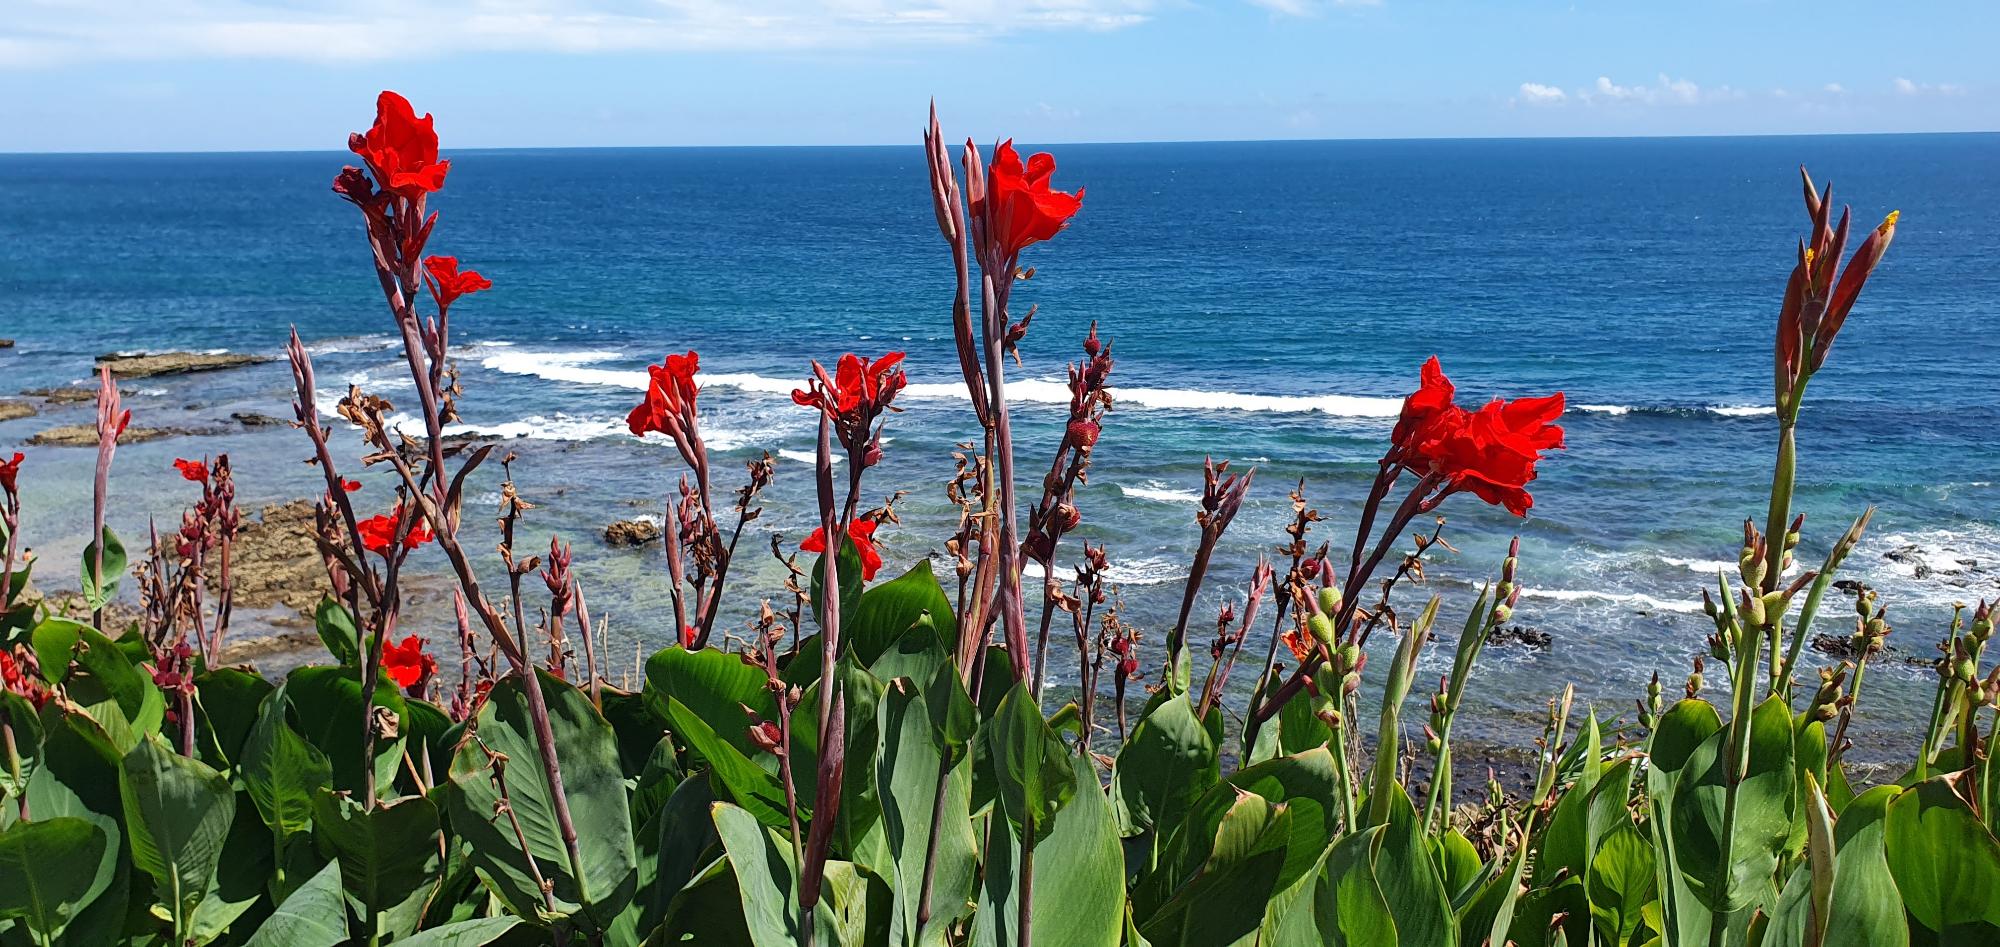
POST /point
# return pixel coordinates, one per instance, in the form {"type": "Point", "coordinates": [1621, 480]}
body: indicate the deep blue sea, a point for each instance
{"type": "Point", "coordinates": [1269, 303]}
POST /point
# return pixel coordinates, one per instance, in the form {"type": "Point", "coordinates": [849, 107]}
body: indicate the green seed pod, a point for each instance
{"type": "Point", "coordinates": [1503, 612]}
{"type": "Point", "coordinates": [1329, 601]}
{"type": "Point", "coordinates": [1322, 629]}
{"type": "Point", "coordinates": [1349, 657]}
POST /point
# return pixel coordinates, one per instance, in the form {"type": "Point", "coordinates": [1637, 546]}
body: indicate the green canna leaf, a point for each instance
{"type": "Point", "coordinates": [177, 818]}
{"type": "Point", "coordinates": [47, 870]}
{"type": "Point", "coordinates": [388, 857]}
{"type": "Point", "coordinates": [315, 915]}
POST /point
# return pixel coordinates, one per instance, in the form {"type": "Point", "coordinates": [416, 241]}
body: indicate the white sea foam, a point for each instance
{"type": "Point", "coordinates": [1160, 493]}
{"type": "Point", "coordinates": [1709, 567]}
{"type": "Point", "coordinates": [1721, 410]}
{"type": "Point", "coordinates": [1154, 570]}
{"type": "Point", "coordinates": [806, 457]}
{"type": "Point", "coordinates": [578, 368]}
{"type": "Point", "coordinates": [1632, 599]}
{"type": "Point", "coordinates": [352, 343]}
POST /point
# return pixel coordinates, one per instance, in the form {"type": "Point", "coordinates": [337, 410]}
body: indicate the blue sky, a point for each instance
{"type": "Point", "coordinates": [150, 75]}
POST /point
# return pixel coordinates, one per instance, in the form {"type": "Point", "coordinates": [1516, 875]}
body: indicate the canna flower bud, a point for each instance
{"type": "Point", "coordinates": [1329, 601]}
{"type": "Point", "coordinates": [1322, 629]}
{"type": "Point", "coordinates": [1503, 612]}
{"type": "Point", "coordinates": [1982, 622]}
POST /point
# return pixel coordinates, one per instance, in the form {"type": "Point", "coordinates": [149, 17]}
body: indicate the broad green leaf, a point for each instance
{"type": "Point", "coordinates": [47, 868]}
{"type": "Point", "coordinates": [1622, 883]}
{"type": "Point", "coordinates": [329, 714]}
{"type": "Point", "coordinates": [20, 759]}
{"type": "Point", "coordinates": [336, 629]}
{"type": "Point", "coordinates": [78, 778]}
{"type": "Point", "coordinates": [909, 768]}
{"type": "Point", "coordinates": [1078, 888]}
{"type": "Point", "coordinates": [115, 692]}
{"type": "Point", "coordinates": [1307, 784]}
{"type": "Point", "coordinates": [281, 771]}
{"type": "Point", "coordinates": [388, 857]}
{"type": "Point", "coordinates": [715, 685]}
{"type": "Point", "coordinates": [888, 611]}
{"type": "Point", "coordinates": [738, 776]}
{"type": "Point", "coordinates": [1225, 898]}
{"type": "Point", "coordinates": [1944, 861]}
{"type": "Point", "coordinates": [768, 879]}
{"type": "Point", "coordinates": [1031, 765]}
{"type": "Point", "coordinates": [99, 588]}
{"type": "Point", "coordinates": [226, 703]}
{"type": "Point", "coordinates": [177, 817]}
{"type": "Point", "coordinates": [596, 889]}
{"type": "Point", "coordinates": [1408, 878]}
{"type": "Point", "coordinates": [476, 932]}
{"type": "Point", "coordinates": [1458, 864]}
{"type": "Point", "coordinates": [1682, 730]}
{"type": "Point", "coordinates": [1168, 762]}
{"type": "Point", "coordinates": [1867, 909]}
{"type": "Point", "coordinates": [55, 641]}
{"type": "Point", "coordinates": [1351, 909]}
{"type": "Point", "coordinates": [314, 916]}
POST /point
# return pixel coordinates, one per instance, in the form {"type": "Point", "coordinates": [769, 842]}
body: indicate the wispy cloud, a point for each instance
{"type": "Point", "coordinates": [1910, 87]}
{"type": "Point", "coordinates": [56, 31]}
{"type": "Point", "coordinates": [1309, 7]}
{"type": "Point", "coordinates": [1605, 93]}
{"type": "Point", "coordinates": [1535, 93]}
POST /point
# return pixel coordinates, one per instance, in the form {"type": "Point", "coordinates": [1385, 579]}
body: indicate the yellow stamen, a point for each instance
{"type": "Point", "coordinates": [1890, 221]}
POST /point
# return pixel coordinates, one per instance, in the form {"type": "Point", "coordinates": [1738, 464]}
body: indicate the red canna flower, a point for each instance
{"type": "Point", "coordinates": [9, 470]}
{"type": "Point", "coordinates": [19, 677]}
{"type": "Point", "coordinates": [670, 396]}
{"type": "Point", "coordinates": [378, 533]}
{"type": "Point", "coordinates": [350, 486]}
{"type": "Point", "coordinates": [193, 471]}
{"type": "Point", "coordinates": [862, 534]}
{"type": "Point", "coordinates": [401, 148]}
{"type": "Point", "coordinates": [855, 396]}
{"type": "Point", "coordinates": [689, 634]}
{"type": "Point", "coordinates": [446, 283]}
{"type": "Point", "coordinates": [1432, 400]}
{"type": "Point", "coordinates": [408, 664]}
{"type": "Point", "coordinates": [1018, 207]}
{"type": "Point", "coordinates": [1491, 452]}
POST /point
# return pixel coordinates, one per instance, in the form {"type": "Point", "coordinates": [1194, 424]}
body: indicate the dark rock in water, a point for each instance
{"type": "Point", "coordinates": [253, 419]}
{"type": "Point", "coordinates": [11, 410]}
{"type": "Point", "coordinates": [174, 363]}
{"type": "Point", "coordinates": [1839, 646]}
{"type": "Point", "coordinates": [69, 394]}
{"type": "Point", "coordinates": [631, 532]}
{"type": "Point", "coordinates": [1850, 586]}
{"type": "Point", "coordinates": [1906, 554]}
{"type": "Point", "coordinates": [85, 435]}
{"type": "Point", "coordinates": [6, 343]}
{"type": "Point", "coordinates": [1533, 639]}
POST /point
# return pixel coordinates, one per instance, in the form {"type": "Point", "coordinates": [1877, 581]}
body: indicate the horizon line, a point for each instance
{"type": "Point", "coordinates": [918, 143]}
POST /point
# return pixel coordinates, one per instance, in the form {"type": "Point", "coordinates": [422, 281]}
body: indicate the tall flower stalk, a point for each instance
{"type": "Point", "coordinates": [403, 169]}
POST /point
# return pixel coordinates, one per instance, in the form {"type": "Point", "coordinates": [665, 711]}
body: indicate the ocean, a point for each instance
{"type": "Point", "coordinates": [1269, 303]}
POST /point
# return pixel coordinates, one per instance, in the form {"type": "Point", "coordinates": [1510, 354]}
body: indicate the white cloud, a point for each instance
{"type": "Point", "coordinates": [1535, 93]}
{"type": "Point", "coordinates": [1667, 91]}
{"type": "Point", "coordinates": [1309, 7]}
{"type": "Point", "coordinates": [1835, 88]}
{"type": "Point", "coordinates": [56, 31]}
{"type": "Point", "coordinates": [1907, 87]}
